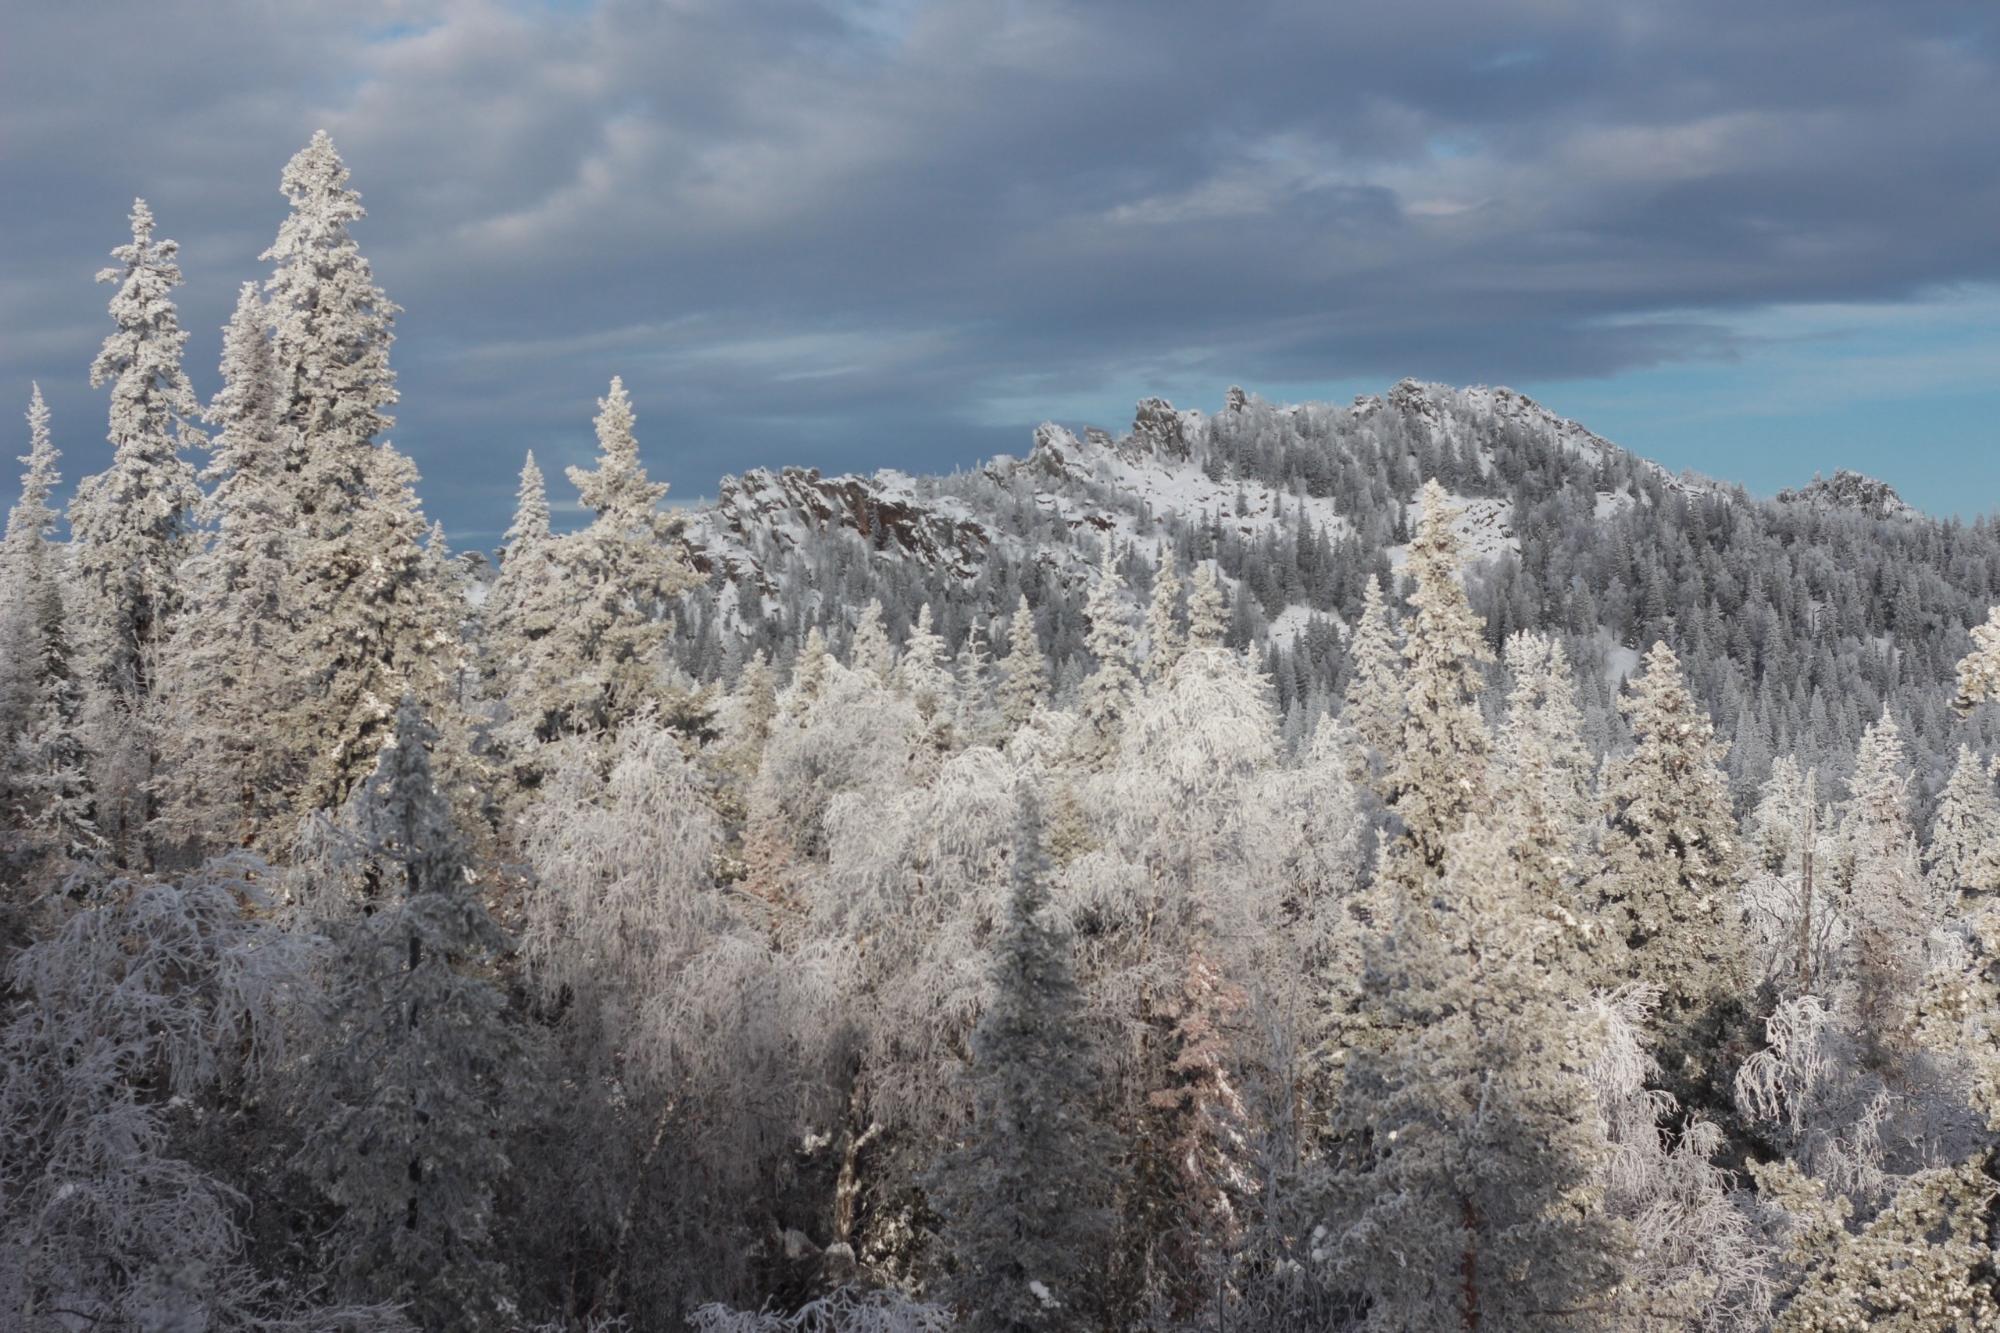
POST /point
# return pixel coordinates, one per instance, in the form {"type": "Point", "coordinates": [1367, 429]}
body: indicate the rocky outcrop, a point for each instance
{"type": "Point", "coordinates": [1158, 431]}
{"type": "Point", "coordinates": [1847, 489]}
{"type": "Point", "coordinates": [884, 510]}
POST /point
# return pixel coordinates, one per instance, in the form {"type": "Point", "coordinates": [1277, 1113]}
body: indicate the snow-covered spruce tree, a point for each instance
{"type": "Point", "coordinates": [1107, 691]}
{"type": "Point", "coordinates": [1024, 672]}
{"type": "Point", "coordinates": [1979, 670]}
{"type": "Point", "coordinates": [1465, 1174]}
{"type": "Point", "coordinates": [48, 786]}
{"type": "Point", "coordinates": [922, 673]}
{"type": "Point", "coordinates": [1543, 775]}
{"type": "Point", "coordinates": [396, 634]}
{"type": "Point", "coordinates": [1670, 859]}
{"type": "Point", "coordinates": [1436, 775]}
{"type": "Point", "coordinates": [1164, 643]}
{"type": "Point", "coordinates": [229, 682]}
{"type": "Point", "coordinates": [1375, 693]}
{"type": "Point", "coordinates": [131, 527]}
{"type": "Point", "coordinates": [756, 700]}
{"type": "Point", "coordinates": [45, 787]}
{"type": "Point", "coordinates": [869, 651]}
{"type": "Point", "coordinates": [624, 573]}
{"type": "Point", "coordinates": [1208, 617]}
{"type": "Point", "coordinates": [420, 1079]}
{"type": "Point", "coordinates": [1964, 853]}
{"type": "Point", "coordinates": [30, 560]}
{"type": "Point", "coordinates": [371, 630]}
{"type": "Point", "coordinates": [975, 719]}
{"type": "Point", "coordinates": [524, 606]}
{"type": "Point", "coordinates": [1025, 1199]}
{"type": "Point", "coordinates": [1891, 909]}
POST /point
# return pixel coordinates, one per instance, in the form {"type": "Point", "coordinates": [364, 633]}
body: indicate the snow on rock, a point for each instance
{"type": "Point", "coordinates": [1848, 489]}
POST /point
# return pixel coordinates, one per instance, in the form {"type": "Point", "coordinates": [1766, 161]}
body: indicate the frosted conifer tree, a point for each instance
{"type": "Point", "coordinates": [370, 627]}
{"type": "Point", "coordinates": [1542, 770]}
{"type": "Point", "coordinates": [1164, 643]}
{"type": "Point", "coordinates": [870, 651]}
{"type": "Point", "coordinates": [1921, 1263]}
{"type": "Point", "coordinates": [1026, 1197]}
{"type": "Point", "coordinates": [46, 786]}
{"type": "Point", "coordinates": [230, 678]}
{"type": "Point", "coordinates": [1979, 670]}
{"type": "Point", "coordinates": [1374, 703]}
{"type": "Point", "coordinates": [395, 633]}
{"type": "Point", "coordinates": [48, 783]}
{"type": "Point", "coordinates": [416, 1089]}
{"type": "Point", "coordinates": [975, 719]}
{"type": "Point", "coordinates": [1208, 616]}
{"type": "Point", "coordinates": [131, 525]}
{"type": "Point", "coordinates": [1891, 908]}
{"type": "Point", "coordinates": [757, 704]}
{"type": "Point", "coordinates": [922, 673]}
{"type": "Point", "coordinates": [1024, 673]}
{"type": "Point", "coordinates": [30, 561]}
{"type": "Point", "coordinates": [624, 575]}
{"type": "Point", "coordinates": [629, 573]}
{"type": "Point", "coordinates": [1670, 853]}
{"type": "Point", "coordinates": [1437, 773]}
{"type": "Point", "coordinates": [521, 610]}
{"type": "Point", "coordinates": [1466, 1176]}
{"type": "Point", "coordinates": [1108, 689]}
{"type": "Point", "coordinates": [809, 674]}
{"type": "Point", "coordinates": [1964, 853]}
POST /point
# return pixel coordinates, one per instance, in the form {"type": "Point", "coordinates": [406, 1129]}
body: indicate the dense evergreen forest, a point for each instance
{"type": "Point", "coordinates": [1399, 866]}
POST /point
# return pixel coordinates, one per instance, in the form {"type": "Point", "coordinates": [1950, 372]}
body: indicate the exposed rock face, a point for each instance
{"type": "Point", "coordinates": [781, 506]}
{"type": "Point", "coordinates": [1159, 431]}
{"type": "Point", "coordinates": [1848, 489]}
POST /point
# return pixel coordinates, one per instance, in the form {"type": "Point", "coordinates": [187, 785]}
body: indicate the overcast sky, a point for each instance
{"type": "Point", "coordinates": [1753, 239]}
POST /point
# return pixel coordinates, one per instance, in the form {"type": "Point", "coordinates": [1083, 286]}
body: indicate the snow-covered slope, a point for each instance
{"type": "Point", "coordinates": [1254, 482]}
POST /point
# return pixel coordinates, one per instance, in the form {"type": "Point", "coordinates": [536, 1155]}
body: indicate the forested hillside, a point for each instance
{"type": "Point", "coordinates": [1400, 866]}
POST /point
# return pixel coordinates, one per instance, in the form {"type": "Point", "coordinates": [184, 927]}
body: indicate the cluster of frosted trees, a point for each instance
{"type": "Point", "coordinates": [374, 960]}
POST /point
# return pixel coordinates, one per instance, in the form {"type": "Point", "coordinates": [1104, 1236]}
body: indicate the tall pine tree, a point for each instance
{"type": "Point", "coordinates": [1025, 1198]}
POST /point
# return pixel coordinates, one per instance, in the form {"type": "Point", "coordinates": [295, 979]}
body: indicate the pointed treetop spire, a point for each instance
{"type": "Point", "coordinates": [531, 509]}
{"type": "Point", "coordinates": [32, 513]}
{"type": "Point", "coordinates": [618, 487]}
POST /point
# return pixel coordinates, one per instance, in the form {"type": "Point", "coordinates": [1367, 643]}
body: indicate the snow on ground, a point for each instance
{"type": "Point", "coordinates": [1485, 528]}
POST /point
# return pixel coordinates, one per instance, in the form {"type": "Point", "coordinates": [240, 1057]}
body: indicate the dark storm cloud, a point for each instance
{"type": "Point", "coordinates": [849, 234]}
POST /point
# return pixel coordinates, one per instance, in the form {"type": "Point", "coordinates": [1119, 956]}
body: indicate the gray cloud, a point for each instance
{"type": "Point", "coordinates": [833, 233]}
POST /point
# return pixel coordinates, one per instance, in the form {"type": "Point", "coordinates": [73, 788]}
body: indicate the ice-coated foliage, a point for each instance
{"type": "Point", "coordinates": [1107, 691]}
{"type": "Point", "coordinates": [1436, 772]}
{"type": "Point", "coordinates": [1164, 640]}
{"type": "Point", "coordinates": [1921, 1263]}
{"type": "Point", "coordinates": [1328, 996]}
{"type": "Point", "coordinates": [1375, 691]}
{"type": "Point", "coordinates": [1466, 1183]}
{"type": "Point", "coordinates": [126, 1019]}
{"type": "Point", "coordinates": [230, 680]}
{"type": "Point", "coordinates": [622, 574]}
{"type": "Point", "coordinates": [1024, 672]}
{"type": "Point", "coordinates": [419, 1080]}
{"type": "Point", "coordinates": [1670, 852]}
{"type": "Point", "coordinates": [1963, 857]}
{"type": "Point", "coordinates": [1026, 1196]}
